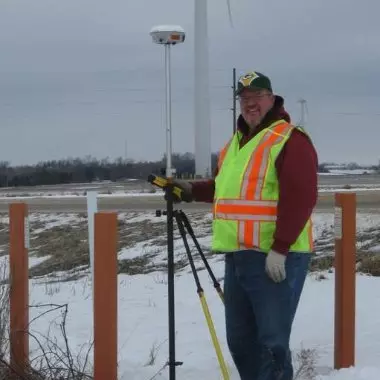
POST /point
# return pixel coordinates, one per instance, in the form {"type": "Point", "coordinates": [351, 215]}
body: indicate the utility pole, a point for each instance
{"type": "Point", "coordinates": [234, 100]}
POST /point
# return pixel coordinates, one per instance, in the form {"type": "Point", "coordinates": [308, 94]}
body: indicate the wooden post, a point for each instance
{"type": "Point", "coordinates": [105, 296]}
{"type": "Point", "coordinates": [19, 286]}
{"type": "Point", "coordinates": [345, 279]}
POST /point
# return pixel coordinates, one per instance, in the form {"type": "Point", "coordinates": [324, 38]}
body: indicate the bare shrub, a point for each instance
{"type": "Point", "coordinates": [4, 312]}
{"type": "Point", "coordinates": [54, 360]}
{"type": "Point", "coordinates": [305, 364]}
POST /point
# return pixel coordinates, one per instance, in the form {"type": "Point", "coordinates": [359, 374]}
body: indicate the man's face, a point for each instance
{"type": "Point", "coordinates": [254, 105]}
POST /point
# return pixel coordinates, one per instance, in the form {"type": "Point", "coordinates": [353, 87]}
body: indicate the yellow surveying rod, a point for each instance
{"type": "Point", "coordinates": [214, 338]}
{"type": "Point", "coordinates": [163, 182]}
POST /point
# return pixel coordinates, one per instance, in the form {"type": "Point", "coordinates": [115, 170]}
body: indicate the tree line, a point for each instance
{"type": "Point", "coordinates": [90, 169]}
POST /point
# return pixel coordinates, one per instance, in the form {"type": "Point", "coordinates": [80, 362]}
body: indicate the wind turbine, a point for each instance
{"type": "Point", "coordinates": [202, 121]}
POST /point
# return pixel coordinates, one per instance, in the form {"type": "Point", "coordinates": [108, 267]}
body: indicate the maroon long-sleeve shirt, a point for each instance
{"type": "Point", "coordinates": [297, 167]}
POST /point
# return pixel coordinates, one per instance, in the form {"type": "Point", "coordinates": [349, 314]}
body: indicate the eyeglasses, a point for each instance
{"type": "Point", "coordinates": [254, 96]}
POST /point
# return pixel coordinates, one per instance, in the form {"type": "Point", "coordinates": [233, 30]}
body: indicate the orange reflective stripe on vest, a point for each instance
{"type": "Point", "coordinates": [250, 210]}
{"type": "Point", "coordinates": [236, 209]}
{"type": "Point", "coordinates": [222, 154]}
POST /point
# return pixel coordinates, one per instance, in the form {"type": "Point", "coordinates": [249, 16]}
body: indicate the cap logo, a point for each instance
{"type": "Point", "coordinates": [247, 79]}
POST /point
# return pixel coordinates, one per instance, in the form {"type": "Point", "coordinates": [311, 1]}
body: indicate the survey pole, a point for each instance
{"type": "Point", "coordinates": [169, 35]}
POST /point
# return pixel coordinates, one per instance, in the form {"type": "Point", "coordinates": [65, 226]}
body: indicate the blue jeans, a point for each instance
{"type": "Point", "coordinates": [260, 313]}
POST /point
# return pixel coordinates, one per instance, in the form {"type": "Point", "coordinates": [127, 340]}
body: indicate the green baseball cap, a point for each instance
{"type": "Point", "coordinates": [255, 81]}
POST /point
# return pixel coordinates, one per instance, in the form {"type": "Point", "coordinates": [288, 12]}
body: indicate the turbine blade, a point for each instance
{"type": "Point", "coordinates": [230, 13]}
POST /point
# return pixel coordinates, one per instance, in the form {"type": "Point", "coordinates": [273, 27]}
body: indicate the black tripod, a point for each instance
{"type": "Point", "coordinates": [184, 227]}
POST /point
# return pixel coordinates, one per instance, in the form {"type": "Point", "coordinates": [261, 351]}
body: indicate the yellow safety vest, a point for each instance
{"type": "Point", "coordinates": [247, 192]}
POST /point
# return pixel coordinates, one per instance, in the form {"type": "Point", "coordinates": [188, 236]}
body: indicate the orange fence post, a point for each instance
{"type": "Point", "coordinates": [19, 286]}
{"type": "Point", "coordinates": [345, 279]}
{"type": "Point", "coordinates": [105, 296]}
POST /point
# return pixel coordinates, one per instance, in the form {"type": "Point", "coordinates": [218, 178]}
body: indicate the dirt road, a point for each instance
{"type": "Point", "coordinates": [366, 201]}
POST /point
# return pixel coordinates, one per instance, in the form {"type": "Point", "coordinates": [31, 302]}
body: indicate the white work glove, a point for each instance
{"type": "Point", "coordinates": [275, 266]}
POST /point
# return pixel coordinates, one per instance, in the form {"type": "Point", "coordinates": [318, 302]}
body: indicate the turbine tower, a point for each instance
{"type": "Point", "coordinates": [202, 122]}
{"type": "Point", "coordinates": [303, 103]}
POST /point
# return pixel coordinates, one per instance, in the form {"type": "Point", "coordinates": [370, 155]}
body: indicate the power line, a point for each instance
{"type": "Point", "coordinates": [356, 113]}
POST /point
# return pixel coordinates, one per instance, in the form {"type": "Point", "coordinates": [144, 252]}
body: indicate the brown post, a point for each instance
{"type": "Point", "coordinates": [345, 279]}
{"type": "Point", "coordinates": [19, 286]}
{"type": "Point", "coordinates": [105, 296]}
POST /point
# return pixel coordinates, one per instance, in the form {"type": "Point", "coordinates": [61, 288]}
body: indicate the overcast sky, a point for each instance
{"type": "Point", "coordinates": [82, 77]}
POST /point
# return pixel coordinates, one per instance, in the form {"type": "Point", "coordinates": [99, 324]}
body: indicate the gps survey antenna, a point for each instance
{"type": "Point", "coordinates": [168, 35]}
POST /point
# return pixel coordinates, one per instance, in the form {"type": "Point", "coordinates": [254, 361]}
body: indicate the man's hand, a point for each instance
{"type": "Point", "coordinates": [275, 266]}
{"type": "Point", "coordinates": [186, 188]}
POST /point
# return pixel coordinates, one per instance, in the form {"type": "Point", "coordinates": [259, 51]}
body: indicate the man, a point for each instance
{"type": "Point", "coordinates": [264, 192]}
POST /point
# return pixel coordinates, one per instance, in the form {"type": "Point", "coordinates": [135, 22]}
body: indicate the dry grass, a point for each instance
{"type": "Point", "coordinates": [321, 263]}
{"type": "Point", "coordinates": [366, 263]}
{"type": "Point", "coordinates": [369, 263]}
{"type": "Point", "coordinates": [131, 234]}
{"type": "Point", "coordinates": [367, 258]}
{"type": "Point", "coordinates": [137, 265]}
{"type": "Point", "coordinates": [66, 248]}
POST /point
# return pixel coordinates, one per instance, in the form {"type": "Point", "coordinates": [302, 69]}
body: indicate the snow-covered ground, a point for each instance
{"type": "Point", "coordinates": [142, 324]}
{"type": "Point", "coordinates": [142, 311]}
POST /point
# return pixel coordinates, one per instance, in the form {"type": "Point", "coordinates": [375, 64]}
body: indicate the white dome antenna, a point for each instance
{"type": "Point", "coordinates": [167, 34]}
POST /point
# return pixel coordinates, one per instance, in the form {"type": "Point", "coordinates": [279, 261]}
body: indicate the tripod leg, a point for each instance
{"type": "Point", "coordinates": [202, 298]}
{"type": "Point", "coordinates": [190, 230]}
